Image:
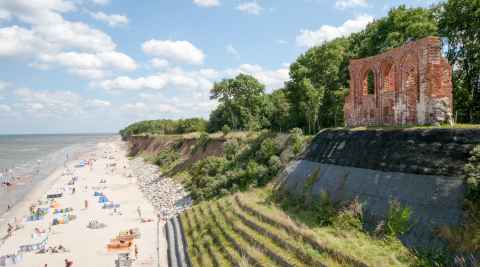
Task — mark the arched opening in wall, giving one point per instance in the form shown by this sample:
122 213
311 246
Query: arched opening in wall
388 77
369 83
411 86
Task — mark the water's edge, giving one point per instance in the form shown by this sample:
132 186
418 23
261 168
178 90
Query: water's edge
41 168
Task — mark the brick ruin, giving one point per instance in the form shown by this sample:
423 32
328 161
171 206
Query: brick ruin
409 85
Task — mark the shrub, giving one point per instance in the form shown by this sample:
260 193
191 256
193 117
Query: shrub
350 216
472 175
202 142
274 165
323 210
255 172
210 166
268 148
166 157
398 219
231 149
226 130
296 140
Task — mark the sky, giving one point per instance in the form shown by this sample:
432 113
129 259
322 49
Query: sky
84 66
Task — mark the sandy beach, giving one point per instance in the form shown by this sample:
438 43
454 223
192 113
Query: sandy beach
109 174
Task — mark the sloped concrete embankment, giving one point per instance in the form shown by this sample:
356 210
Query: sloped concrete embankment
421 168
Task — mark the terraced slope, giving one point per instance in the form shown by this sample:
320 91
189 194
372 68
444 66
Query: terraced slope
241 231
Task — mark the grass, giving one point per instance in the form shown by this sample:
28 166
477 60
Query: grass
302 250
225 232
351 242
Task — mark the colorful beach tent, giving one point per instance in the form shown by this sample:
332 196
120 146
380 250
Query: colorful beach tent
102 199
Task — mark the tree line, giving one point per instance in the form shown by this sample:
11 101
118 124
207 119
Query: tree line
313 98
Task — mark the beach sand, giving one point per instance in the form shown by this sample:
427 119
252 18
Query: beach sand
88 247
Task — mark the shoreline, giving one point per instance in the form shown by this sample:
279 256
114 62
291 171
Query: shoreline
122 187
27 180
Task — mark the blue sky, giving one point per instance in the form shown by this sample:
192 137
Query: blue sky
97 65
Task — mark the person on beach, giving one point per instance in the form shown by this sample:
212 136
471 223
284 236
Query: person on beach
9 229
86 204
139 211
68 263
136 251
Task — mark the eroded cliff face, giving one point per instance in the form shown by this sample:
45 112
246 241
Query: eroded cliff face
420 168
189 148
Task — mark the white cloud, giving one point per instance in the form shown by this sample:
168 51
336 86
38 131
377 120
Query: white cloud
176 51
159 63
55 103
49 103
232 51
309 38
50 39
172 78
141 109
4 85
281 42
273 79
101 2
112 20
250 7
90 66
207 3
343 4
200 81
5 108
4 15
17 41
89 74
97 103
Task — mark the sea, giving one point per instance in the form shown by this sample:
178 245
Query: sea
26 160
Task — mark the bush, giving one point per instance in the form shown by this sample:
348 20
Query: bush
313 212
268 148
472 175
210 166
350 216
231 149
275 165
255 172
166 157
296 140
398 219
226 130
202 142
207 178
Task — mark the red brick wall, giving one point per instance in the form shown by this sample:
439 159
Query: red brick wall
412 86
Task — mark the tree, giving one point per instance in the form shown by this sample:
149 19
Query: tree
280 116
311 104
399 26
324 68
459 24
243 98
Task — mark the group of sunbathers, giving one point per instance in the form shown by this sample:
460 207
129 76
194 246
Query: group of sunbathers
59 249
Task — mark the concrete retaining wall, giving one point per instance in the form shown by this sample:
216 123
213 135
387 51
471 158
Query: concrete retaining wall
434 200
421 168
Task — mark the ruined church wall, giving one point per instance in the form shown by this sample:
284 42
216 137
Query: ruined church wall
412 86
